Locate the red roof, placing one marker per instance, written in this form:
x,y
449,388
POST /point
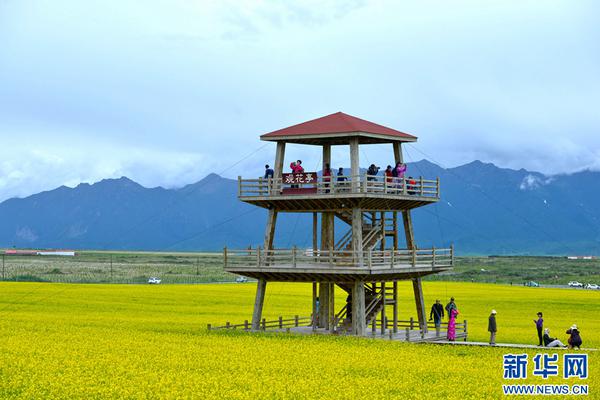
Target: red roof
x,y
335,124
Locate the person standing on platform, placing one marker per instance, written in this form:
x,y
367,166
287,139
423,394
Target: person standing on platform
x,y
539,324
492,328
326,177
437,313
269,173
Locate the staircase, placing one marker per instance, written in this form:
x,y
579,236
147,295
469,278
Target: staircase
x,y
374,302
373,231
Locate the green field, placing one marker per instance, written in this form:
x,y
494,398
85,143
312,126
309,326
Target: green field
x,y
142,341
137,267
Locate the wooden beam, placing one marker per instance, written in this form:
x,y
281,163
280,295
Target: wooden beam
x,y
395,289
357,238
314,305
324,305
383,321
326,155
398,152
408,229
315,243
395,222
359,318
354,164
418,289
259,301
270,229
331,305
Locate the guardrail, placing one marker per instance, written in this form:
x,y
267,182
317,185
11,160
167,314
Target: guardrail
x,y
309,258
332,185
279,323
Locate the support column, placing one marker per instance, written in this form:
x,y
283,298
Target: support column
x,y
354,164
324,305
315,243
395,222
398,152
326,155
331,312
314,306
269,234
357,236
359,319
408,229
382,242
259,301
278,167
383,319
418,289
395,306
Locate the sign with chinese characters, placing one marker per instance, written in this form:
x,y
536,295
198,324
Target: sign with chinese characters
x,y
295,179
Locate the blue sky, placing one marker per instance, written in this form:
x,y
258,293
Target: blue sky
x,y
165,92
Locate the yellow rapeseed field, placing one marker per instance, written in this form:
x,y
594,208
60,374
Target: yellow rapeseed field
x,y
70,341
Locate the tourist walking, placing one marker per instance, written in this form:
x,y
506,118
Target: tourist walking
x,y
437,313
574,337
452,325
492,328
450,306
539,324
551,342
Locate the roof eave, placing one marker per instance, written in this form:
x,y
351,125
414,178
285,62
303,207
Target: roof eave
x,y
335,137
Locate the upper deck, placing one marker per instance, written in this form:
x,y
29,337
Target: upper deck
x,y
318,193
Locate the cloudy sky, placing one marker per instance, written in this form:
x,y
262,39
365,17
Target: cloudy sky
x,y
165,92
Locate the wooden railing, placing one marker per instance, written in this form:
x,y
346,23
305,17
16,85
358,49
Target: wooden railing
x,y
279,323
332,185
308,258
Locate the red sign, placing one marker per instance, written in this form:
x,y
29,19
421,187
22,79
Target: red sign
x,y
294,179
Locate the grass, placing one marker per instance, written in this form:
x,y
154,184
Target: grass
x,y
142,341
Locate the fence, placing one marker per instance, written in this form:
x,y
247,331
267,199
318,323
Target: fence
x,y
104,267
421,187
297,258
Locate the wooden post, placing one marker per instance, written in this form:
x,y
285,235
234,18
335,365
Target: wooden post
x,y
398,152
452,254
418,290
354,164
314,306
395,223
383,319
382,241
408,229
246,325
258,256
407,335
357,236
331,306
239,186
433,257
412,323
359,318
280,322
264,324
315,245
259,301
270,229
324,305
421,182
296,321
326,155
278,167
395,306
465,339
437,185
227,325
209,327
294,250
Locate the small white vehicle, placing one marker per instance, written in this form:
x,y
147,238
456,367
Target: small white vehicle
x,y
154,280
575,284
592,286
241,279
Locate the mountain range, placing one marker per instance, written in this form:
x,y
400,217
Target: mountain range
x,y
483,209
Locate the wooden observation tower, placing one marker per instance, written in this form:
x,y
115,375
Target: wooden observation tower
x,y
364,258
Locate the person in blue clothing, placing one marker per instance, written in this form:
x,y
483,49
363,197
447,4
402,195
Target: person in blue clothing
x,y
539,324
268,172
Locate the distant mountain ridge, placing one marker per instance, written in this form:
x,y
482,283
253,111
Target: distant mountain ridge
x,y
483,210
